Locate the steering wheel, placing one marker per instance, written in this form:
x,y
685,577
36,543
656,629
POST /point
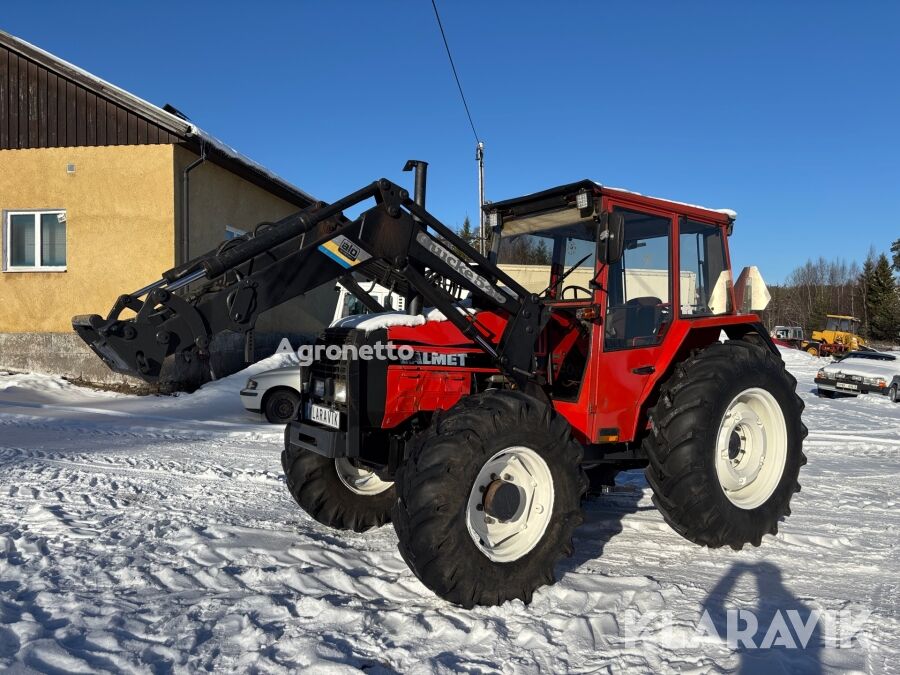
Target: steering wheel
x,y
562,295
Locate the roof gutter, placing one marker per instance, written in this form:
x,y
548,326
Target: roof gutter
x,y
186,203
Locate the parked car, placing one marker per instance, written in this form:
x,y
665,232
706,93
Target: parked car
x,y
276,393
861,372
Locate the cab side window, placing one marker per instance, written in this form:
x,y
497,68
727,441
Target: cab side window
x,y
639,304
705,279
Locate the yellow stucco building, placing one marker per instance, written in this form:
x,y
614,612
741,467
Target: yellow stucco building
x,y
100,192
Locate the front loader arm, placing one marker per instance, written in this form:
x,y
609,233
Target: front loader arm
x,y
389,242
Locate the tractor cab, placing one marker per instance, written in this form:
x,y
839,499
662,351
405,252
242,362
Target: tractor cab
x,y
629,281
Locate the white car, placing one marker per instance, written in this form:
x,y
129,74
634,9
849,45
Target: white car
x,y
861,372
276,393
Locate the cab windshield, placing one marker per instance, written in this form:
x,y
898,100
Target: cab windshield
x,y
839,324
536,251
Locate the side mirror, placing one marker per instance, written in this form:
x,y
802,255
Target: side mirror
x,y
611,238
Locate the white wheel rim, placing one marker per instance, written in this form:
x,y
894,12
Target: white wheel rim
x,y
751,448
360,480
510,539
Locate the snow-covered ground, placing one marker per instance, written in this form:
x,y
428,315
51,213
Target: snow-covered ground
x,y
155,534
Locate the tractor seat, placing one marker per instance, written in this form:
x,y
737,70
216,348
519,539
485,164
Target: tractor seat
x,y
628,324
642,317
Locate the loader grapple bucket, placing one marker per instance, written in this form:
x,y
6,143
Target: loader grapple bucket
x,y
107,340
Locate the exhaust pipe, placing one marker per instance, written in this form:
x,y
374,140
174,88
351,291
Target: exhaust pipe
x,y
414,302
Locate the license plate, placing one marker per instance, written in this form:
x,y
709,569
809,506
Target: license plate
x,y
845,385
327,416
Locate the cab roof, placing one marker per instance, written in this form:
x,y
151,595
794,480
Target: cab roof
x,y
563,196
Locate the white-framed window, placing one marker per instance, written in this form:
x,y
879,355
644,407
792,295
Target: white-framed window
x,y
34,241
233,232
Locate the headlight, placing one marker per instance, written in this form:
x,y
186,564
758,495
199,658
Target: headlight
x,y
821,375
875,381
251,384
318,387
340,392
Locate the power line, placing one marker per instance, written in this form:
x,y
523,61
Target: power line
x,y
453,67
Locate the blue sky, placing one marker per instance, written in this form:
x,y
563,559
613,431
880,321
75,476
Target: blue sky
x,y
788,113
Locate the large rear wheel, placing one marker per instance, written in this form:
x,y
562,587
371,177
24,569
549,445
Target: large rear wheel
x,y
489,499
725,446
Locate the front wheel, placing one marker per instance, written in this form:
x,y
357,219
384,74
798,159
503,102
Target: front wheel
x,y
894,394
725,446
339,493
489,498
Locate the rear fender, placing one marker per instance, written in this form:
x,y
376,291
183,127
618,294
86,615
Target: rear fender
x,y
693,335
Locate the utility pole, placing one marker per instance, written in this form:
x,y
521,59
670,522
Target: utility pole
x,y
482,230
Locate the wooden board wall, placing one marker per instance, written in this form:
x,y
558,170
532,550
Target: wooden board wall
x,y
42,109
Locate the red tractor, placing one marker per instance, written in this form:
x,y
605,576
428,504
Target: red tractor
x,y
591,341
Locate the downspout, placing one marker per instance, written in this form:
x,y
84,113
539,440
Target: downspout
x,y
186,202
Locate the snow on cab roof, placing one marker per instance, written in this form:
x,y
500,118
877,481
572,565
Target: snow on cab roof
x,y
732,214
550,198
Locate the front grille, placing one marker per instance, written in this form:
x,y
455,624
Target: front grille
x,y
332,370
336,335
